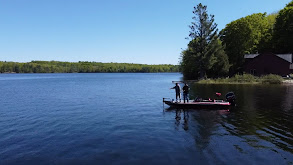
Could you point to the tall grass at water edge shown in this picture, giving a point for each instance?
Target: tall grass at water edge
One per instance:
(245, 79)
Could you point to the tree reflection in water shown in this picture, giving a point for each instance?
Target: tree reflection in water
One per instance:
(260, 124)
(262, 118)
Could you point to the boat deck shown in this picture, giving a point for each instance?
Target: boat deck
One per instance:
(196, 104)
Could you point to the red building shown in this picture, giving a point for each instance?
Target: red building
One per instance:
(268, 63)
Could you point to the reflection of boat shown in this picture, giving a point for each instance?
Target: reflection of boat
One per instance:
(205, 104)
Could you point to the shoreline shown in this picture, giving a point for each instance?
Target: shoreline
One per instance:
(288, 82)
(249, 79)
(81, 72)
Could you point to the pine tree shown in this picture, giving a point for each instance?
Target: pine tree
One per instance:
(204, 49)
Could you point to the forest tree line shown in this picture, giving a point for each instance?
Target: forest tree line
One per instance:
(218, 54)
(82, 67)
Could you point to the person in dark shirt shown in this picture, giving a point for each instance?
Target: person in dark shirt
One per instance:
(177, 90)
(186, 92)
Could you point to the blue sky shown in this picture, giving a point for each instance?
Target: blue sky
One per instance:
(131, 31)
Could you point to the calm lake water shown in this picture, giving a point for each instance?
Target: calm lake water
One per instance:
(120, 119)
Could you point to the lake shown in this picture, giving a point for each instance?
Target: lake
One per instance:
(119, 118)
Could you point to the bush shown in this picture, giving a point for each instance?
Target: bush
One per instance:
(245, 78)
(271, 79)
(207, 81)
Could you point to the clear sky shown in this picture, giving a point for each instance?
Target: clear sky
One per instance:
(131, 31)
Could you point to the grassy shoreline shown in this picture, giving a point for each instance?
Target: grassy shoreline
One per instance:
(246, 79)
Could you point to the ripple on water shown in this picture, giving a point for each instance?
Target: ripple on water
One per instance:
(119, 119)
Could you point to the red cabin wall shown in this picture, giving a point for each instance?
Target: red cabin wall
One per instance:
(267, 63)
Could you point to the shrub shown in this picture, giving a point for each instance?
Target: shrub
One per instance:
(207, 81)
(244, 78)
(271, 79)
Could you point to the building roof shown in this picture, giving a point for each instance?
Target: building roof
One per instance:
(287, 57)
(250, 55)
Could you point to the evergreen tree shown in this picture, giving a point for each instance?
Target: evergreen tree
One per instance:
(204, 50)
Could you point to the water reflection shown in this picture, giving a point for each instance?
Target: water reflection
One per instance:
(185, 124)
(261, 121)
(178, 118)
(200, 124)
(263, 116)
(288, 100)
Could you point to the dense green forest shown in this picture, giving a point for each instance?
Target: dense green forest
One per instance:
(82, 67)
(218, 54)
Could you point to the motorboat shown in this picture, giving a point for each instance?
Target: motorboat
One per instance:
(203, 103)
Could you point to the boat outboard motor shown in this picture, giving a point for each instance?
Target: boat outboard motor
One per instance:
(230, 97)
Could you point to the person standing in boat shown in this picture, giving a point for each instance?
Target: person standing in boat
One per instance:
(177, 90)
(186, 92)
